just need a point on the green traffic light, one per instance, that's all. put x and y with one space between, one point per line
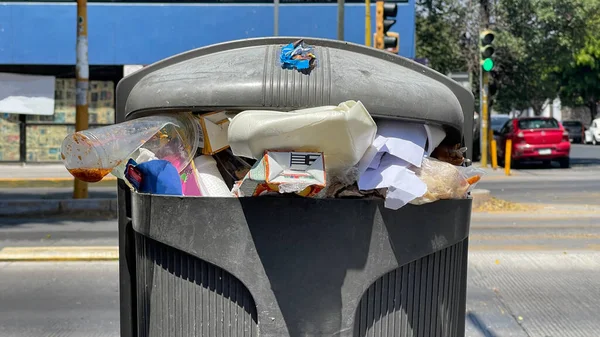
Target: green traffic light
488 64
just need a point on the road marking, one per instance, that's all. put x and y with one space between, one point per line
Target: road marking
51 253
496 237
550 213
48 179
540 248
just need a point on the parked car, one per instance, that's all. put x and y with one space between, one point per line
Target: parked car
535 139
595 131
476 137
588 136
576 131
498 121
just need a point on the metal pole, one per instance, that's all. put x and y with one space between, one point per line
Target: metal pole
368 23
340 20
275 17
80 190
484 121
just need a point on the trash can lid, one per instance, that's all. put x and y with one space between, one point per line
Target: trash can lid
247 74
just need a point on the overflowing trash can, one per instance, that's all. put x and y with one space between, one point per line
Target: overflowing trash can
266 252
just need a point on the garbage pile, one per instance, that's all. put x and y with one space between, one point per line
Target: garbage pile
322 152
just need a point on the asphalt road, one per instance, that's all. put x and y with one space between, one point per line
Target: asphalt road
529 276
73 299
573 192
575 186
57 231
517 294
585 155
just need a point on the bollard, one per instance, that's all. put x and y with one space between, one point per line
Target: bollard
494 154
507 157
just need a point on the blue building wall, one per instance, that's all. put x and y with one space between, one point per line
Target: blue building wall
126 33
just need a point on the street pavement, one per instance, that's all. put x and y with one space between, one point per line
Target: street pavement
516 294
58 231
69 299
579 184
529 276
536 184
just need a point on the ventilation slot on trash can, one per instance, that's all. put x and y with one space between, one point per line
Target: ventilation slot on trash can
180 295
422 296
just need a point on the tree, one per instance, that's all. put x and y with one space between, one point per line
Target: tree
535 39
580 77
441 34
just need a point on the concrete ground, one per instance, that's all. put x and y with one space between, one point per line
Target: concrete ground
529 275
510 294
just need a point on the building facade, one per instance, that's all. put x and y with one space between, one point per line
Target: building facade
39 38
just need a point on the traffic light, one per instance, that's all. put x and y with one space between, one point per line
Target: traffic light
486 50
385 19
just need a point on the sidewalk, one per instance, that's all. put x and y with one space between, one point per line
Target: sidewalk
41 176
535 174
33 171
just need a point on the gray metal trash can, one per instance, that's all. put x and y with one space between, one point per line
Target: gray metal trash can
280 267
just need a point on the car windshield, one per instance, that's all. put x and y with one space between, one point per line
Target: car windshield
538 123
573 125
498 122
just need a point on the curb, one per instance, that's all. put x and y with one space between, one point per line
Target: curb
31 207
59 254
49 182
104 206
480 197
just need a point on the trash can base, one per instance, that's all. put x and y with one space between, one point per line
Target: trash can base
308 267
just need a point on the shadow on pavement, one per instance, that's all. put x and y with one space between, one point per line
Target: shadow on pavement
49 193
54 220
477 323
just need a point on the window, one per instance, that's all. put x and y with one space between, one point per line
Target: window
538 123
10 132
35 138
507 128
573 126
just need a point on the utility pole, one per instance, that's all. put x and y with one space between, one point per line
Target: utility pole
368 23
340 19
484 19
276 17
484 133
80 190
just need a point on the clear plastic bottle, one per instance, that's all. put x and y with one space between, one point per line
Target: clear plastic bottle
92 154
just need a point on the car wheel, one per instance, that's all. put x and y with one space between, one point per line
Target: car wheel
594 142
564 162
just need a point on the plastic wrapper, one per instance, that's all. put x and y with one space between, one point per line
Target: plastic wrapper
453 154
445 181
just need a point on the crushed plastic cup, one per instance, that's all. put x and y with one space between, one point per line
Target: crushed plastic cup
92 154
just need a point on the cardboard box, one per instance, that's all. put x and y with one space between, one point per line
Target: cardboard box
214 127
302 173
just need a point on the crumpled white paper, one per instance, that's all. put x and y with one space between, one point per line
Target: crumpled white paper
386 164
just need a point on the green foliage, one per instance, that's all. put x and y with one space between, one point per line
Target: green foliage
544 48
580 77
537 40
439 26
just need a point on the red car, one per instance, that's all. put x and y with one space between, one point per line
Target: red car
535 139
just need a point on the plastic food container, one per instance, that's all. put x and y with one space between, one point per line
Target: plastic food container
92 154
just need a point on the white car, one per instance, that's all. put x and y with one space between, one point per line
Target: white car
588 136
594 132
